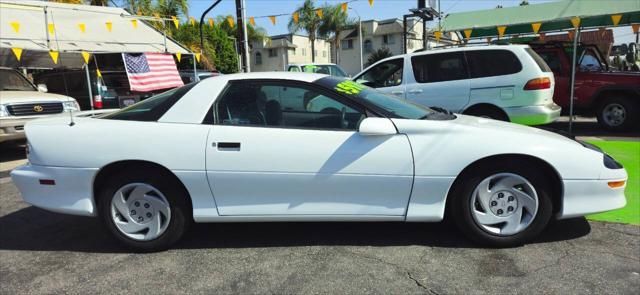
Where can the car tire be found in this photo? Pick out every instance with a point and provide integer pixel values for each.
(488, 112)
(157, 209)
(618, 113)
(469, 218)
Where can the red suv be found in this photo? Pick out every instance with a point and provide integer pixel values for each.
(612, 96)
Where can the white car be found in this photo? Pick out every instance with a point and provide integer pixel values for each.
(21, 101)
(224, 150)
(503, 82)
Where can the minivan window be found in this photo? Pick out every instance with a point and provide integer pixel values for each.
(539, 60)
(491, 63)
(385, 74)
(439, 67)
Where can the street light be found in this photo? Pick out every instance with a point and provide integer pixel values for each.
(359, 37)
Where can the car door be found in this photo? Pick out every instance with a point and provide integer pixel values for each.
(386, 76)
(493, 79)
(439, 80)
(263, 159)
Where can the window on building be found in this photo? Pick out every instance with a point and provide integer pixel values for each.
(292, 51)
(273, 52)
(388, 39)
(368, 46)
(324, 53)
(258, 58)
(315, 52)
(347, 44)
(304, 51)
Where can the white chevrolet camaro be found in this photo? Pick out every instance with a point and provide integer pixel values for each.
(266, 147)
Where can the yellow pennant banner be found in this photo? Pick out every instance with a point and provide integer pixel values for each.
(501, 30)
(272, 19)
(467, 33)
(536, 27)
(211, 23)
(198, 57)
(54, 56)
(319, 12)
(98, 73)
(15, 26)
(178, 56)
(175, 21)
(252, 21)
(635, 28)
(82, 27)
(230, 21)
(575, 21)
(17, 52)
(371, 3)
(615, 19)
(109, 25)
(134, 23)
(438, 35)
(192, 20)
(296, 17)
(344, 7)
(85, 56)
(51, 28)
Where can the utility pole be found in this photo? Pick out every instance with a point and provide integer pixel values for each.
(243, 43)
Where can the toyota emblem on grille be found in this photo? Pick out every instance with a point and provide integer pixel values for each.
(38, 108)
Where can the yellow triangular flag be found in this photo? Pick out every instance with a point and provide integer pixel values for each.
(252, 21)
(575, 21)
(134, 23)
(54, 56)
(82, 27)
(230, 21)
(272, 19)
(198, 57)
(438, 35)
(51, 28)
(536, 27)
(615, 19)
(98, 73)
(192, 20)
(344, 7)
(501, 30)
(211, 22)
(319, 12)
(296, 17)
(85, 56)
(15, 26)
(635, 28)
(175, 21)
(17, 52)
(371, 3)
(467, 33)
(178, 56)
(109, 25)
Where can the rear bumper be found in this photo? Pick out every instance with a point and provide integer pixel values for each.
(534, 115)
(71, 194)
(582, 197)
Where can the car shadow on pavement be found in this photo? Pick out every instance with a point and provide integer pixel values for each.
(33, 229)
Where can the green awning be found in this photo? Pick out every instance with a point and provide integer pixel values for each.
(554, 16)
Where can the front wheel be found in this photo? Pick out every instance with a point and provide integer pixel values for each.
(617, 113)
(501, 207)
(146, 213)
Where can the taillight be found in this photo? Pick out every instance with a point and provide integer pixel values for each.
(97, 101)
(538, 83)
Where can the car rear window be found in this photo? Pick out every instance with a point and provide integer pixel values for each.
(539, 60)
(491, 63)
(153, 108)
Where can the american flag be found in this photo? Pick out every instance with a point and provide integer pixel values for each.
(151, 71)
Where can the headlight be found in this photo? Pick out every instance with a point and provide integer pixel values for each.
(3, 111)
(71, 105)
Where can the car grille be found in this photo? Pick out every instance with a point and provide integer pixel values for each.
(31, 109)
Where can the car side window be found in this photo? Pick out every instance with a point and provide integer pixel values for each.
(491, 63)
(385, 74)
(439, 67)
(294, 69)
(284, 105)
(590, 62)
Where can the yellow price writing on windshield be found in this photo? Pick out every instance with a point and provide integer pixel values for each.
(349, 87)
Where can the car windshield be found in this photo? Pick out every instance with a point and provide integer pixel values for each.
(392, 106)
(332, 70)
(12, 80)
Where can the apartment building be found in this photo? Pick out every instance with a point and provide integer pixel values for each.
(276, 52)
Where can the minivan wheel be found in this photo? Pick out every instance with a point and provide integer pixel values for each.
(488, 112)
(146, 212)
(501, 207)
(617, 113)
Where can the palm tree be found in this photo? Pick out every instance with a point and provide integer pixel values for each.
(145, 7)
(334, 21)
(171, 7)
(377, 55)
(308, 21)
(254, 34)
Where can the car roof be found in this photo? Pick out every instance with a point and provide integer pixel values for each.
(304, 77)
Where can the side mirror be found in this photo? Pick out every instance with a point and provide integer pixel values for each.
(377, 126)
(43, 88)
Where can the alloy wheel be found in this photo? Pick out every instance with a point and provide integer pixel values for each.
(140, 211)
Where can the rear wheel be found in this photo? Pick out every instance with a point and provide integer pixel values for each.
(144, 210)
(501, 206)
(617, 113)
(488, 112)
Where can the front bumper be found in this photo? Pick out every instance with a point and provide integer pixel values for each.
(583, 197)
(534, 115)
(72, 192)
(12, 129)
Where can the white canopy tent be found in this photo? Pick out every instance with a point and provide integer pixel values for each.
(38, 27)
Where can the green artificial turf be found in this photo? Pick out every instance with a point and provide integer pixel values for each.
(628, 154)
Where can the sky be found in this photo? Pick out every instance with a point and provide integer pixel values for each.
(382, 9)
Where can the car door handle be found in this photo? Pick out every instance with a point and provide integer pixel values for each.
(226, 146)
(415, 91)
(397, 92)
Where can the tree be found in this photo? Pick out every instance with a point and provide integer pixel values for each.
(377, 55)
(334, 21)
(254, 34)
(218, 52)
(308, 21)
(171, 7)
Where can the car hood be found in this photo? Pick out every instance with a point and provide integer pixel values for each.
(9, 97)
